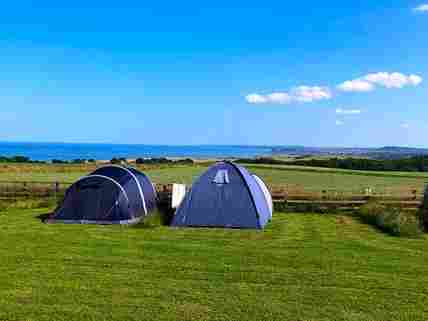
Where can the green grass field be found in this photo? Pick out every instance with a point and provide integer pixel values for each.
(301, 267)
(292, 176)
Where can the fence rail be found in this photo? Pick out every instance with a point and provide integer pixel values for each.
(15, 190)
(410, 197)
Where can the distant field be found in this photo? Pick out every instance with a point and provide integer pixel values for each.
(302, 267)
(295, 177)
(70, 173)
(341, 180)
(343, 171)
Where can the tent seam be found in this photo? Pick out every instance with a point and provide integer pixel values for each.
(249, 190)
(104, 177)
(136, 180)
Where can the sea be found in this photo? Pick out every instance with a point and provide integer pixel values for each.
(71, 151)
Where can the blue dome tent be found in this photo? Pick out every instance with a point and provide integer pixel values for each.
(110, 195)
(226, 195)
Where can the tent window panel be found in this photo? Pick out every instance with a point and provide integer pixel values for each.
(222, 177)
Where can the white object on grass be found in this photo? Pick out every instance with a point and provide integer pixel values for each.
(178, 193)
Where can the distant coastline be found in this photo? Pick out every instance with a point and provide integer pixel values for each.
(71, 151)
(105, 152)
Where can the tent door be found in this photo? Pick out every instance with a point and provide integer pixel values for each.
(88, 202)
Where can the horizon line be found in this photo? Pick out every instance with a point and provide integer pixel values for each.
(212, 145)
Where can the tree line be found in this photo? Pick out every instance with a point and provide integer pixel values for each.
(411, 164)
(114, 160)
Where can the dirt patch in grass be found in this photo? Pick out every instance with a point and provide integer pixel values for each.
(192, 311)
(344, 220)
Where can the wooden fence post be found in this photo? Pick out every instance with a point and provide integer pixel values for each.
(414, 192)
(324, 194)
(56, 191)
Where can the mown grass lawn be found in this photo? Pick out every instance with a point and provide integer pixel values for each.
(301, 267)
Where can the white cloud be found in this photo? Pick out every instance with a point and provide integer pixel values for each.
(383, 79)
(256, 99)
(308, 94)
(404, 125)
(273, 98)
(393, 80)
(302, 94)
(279, 98)
(348, 111)
(356, 85)
(422, 8)
(339, 123)
(415, 80)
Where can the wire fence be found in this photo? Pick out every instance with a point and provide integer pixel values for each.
(408, 197)
(14, 189)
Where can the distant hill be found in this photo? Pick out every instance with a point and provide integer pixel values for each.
(387, 152)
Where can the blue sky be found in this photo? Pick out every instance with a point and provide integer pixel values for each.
(223, 72)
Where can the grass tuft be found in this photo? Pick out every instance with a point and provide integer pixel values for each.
(155, 219)
(391, 219)
(23, 204)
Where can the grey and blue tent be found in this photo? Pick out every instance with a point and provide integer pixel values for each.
(226, 195)
(110, 195)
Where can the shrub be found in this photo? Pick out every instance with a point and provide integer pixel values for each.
(391, 219)
(281, 207)
(261, 160)
(59, 161)
(3, 206)
(151, 221)
(140, 161)
(411, 227)
(423, 212)
(79, 161)
(17, 159)
(20, 159)
(370, 211)
(115, 160)
(163, 160)
(158, 218)
(186, 161)
(310, 207)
